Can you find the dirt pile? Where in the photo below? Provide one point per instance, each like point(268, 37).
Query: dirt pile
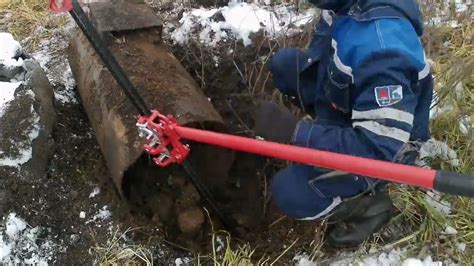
point(28, 119)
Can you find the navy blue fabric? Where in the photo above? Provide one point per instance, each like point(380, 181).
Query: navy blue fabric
point(374, 9)
point(335, 5)
point(300, 193)
point(359, 54)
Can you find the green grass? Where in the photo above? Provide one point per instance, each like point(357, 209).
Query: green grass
point(453, 68)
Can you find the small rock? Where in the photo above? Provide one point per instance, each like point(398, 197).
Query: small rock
point(190, 221)
point(189, 191)
point(178, 181)
point(82, 215)
point(9, 72)
point(218, 17)
point(164, 207)
point(189, 197)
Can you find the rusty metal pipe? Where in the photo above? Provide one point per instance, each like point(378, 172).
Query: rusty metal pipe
point(162, 82)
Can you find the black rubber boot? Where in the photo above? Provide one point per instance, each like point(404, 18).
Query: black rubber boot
point(356, 220)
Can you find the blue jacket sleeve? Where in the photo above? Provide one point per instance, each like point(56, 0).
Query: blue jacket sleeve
point(382, 110)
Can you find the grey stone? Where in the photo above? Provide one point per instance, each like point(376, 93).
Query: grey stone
point(8, 72)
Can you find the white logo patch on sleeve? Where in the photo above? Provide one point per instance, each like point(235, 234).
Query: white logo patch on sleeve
point(388, 95)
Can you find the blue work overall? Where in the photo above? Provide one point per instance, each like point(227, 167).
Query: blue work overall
point(366, 80)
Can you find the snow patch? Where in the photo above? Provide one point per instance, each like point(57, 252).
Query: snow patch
point(10, 51)
point(434, 149)
point(14, 226)
point(220, 244)
point(439, 108)
point(238, 21)
point(465, 125)
point(181, 261)
point(461, 247)
point(94, 192)
point(449, 230)
point(303, 260)
point(433, 199)
point(7, 93)
point(389, 258)
point(103, 215)
point(20, 244)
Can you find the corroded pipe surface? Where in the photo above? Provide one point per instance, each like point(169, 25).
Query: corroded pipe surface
point(164, 84)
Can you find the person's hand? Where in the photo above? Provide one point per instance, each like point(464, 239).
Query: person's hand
point(275, 123)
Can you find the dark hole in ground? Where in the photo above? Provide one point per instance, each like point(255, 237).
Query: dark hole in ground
point(166, 195)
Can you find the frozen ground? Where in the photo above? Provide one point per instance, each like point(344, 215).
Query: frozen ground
point(238, 21)
point(394, 257)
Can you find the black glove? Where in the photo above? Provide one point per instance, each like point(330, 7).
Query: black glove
point(275, 123)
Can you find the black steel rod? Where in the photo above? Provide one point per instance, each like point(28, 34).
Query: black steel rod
point(454, 183)
point(108, 58)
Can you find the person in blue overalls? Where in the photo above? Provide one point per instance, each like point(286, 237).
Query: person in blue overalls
point(366, 84)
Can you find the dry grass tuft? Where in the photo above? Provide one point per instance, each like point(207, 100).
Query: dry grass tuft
point(117, 253)
point(29, 16)
point(451, 48)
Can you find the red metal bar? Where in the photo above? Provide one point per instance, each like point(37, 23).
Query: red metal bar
point(60, 6)
point(361, 166)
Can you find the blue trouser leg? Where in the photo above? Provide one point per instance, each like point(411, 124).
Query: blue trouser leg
point(306, 192)
point(287, 66)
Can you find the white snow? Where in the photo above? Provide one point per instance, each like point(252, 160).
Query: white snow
point(94, 192)
point(461, 247)
point(394, 257)
point(220, 244)
point(82, 215)
point(181, 261)
point(449, 230)
point(434, 149)
point(20, 244)
point(439, 106)
point(8, 50)
point(239, 20)
point(428, 261)
point(433, 199)
point(14, 226)
point(102, 215)
point(303, 260)
point(465, 124)
point(7, 93)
